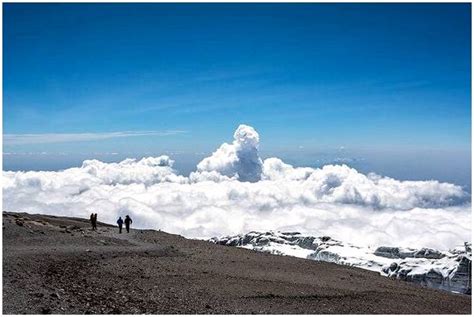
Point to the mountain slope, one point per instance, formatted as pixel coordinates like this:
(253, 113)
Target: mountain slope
(58, 265)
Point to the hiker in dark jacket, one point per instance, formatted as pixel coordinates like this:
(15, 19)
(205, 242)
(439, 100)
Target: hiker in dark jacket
(94, 223)
(128, 222)
(120, 223)
(92, 220)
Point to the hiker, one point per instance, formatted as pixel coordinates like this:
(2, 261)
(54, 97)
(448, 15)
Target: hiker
(120, 223)
(94, 223)
(128, 222)
(92, 220)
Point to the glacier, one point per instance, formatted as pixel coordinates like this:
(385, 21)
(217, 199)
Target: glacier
(446, 270)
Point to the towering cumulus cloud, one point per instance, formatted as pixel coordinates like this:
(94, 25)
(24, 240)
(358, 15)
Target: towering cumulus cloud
(238, 160)
(234, 191)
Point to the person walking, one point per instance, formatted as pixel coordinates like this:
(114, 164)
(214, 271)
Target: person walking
(94, 223)
(92, 220)
(128, 222)
(120, 223)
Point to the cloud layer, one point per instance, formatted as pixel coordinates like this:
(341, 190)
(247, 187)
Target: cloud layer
(234, 191)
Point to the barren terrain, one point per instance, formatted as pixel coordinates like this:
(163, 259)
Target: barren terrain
(59, 265)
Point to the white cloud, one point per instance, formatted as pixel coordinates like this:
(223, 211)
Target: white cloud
(238, 160)
(233, 191)
(15, 139)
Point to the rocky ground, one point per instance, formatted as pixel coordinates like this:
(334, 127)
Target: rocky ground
(58, 265)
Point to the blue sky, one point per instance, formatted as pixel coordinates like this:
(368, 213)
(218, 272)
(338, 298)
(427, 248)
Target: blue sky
(390, 83)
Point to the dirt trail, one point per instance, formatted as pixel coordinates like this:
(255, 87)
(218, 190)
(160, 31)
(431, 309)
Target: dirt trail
(58, 265)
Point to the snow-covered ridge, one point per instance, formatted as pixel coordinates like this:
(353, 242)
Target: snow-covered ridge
(447, 270)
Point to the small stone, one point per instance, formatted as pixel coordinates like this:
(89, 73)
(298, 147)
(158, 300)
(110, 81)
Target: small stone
(46, 310)
(55, 295)
(393, 266)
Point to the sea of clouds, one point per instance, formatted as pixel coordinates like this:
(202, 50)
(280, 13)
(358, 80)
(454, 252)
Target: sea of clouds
(235, 191)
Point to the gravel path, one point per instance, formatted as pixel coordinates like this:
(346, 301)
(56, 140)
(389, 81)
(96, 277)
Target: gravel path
(58, 265)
